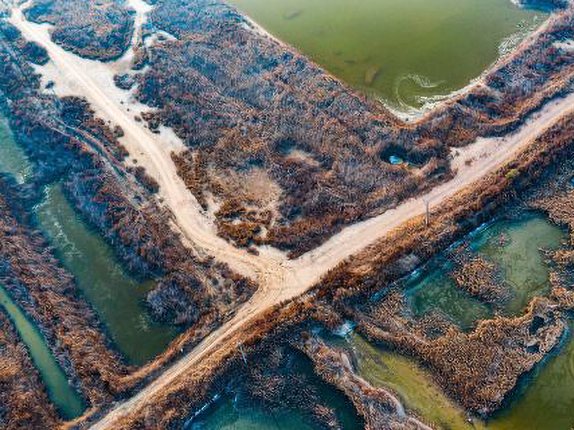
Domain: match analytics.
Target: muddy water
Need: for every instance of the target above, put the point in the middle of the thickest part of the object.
(116, 297)
(545, 402)
(404, 52)
(414, 385)
(66, 399)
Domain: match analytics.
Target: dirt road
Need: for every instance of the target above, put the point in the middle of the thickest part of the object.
(278, 278)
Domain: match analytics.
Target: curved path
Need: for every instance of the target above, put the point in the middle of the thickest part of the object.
(279, 279)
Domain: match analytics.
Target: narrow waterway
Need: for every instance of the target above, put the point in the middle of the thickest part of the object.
(12, 157)
(117, 298)
(64, 396)
(438, 292)
(404, 52)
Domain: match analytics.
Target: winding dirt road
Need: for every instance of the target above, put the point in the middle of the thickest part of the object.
(278, 278)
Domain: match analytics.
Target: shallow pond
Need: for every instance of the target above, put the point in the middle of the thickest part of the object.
(545, 402)
(66, 399)
(515, 247)
(437, 292)
(404, 52)
(229, 414)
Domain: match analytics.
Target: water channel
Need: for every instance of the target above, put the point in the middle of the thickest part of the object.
(116, 297)
(66, 399)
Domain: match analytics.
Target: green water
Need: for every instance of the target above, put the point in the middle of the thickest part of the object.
(437, 291)
(66, 399)
(547, 402)
(405, 52)
(515, 248)
(225, 416)
(116, 297)
(414, 385)
(12, 157)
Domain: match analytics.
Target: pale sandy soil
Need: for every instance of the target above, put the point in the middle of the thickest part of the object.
(279, 278)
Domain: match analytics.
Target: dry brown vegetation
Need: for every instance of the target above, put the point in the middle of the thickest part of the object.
(275, 379)
(23, 400)
(479, 368)
(479, 278)
(370, 271)
(378, 407)
(324, 148)
(93, 29)
(243, 103)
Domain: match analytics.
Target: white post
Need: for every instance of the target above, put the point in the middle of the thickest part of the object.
(242, 353)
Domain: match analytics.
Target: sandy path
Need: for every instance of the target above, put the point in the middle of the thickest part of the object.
(279, 279)
(94, 80)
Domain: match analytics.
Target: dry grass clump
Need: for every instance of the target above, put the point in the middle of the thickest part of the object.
(192, 169)
(479, 278)
(560, 207)
(275, 380)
